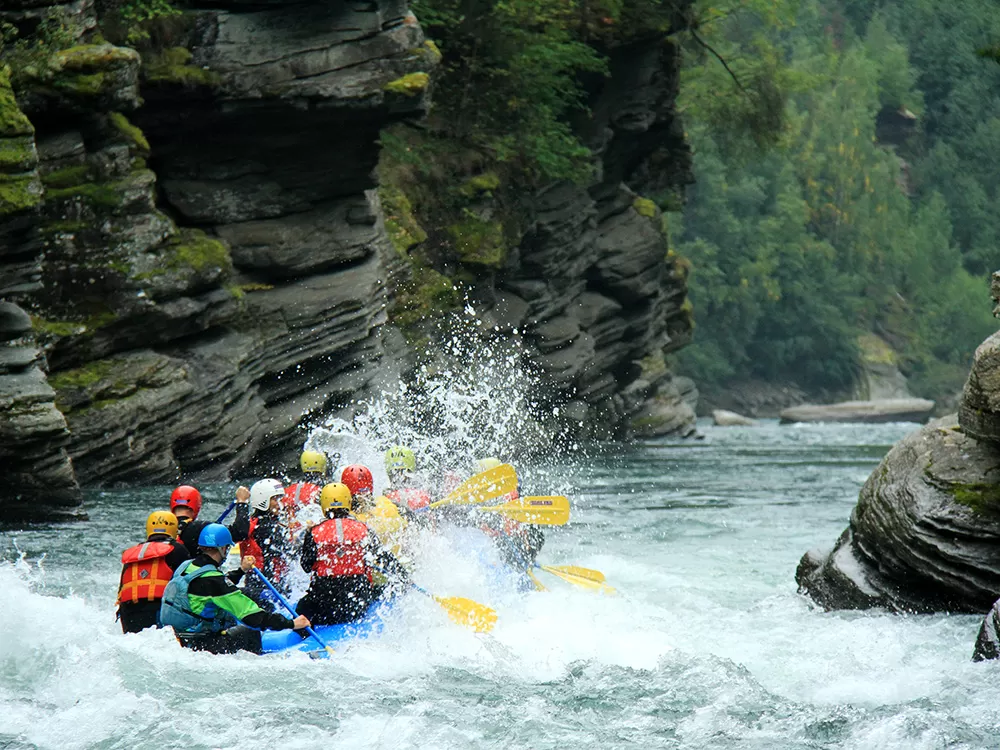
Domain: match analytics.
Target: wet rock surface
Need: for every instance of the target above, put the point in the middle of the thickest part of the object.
(925, 533)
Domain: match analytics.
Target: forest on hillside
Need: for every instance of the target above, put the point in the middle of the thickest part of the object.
(872, 209)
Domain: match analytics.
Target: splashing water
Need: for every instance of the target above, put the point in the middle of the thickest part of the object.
(472, 398)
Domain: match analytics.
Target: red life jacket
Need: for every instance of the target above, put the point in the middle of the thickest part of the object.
(249, 546)
(339, 548)
(299, 494)
(146, 572)
(414, 499)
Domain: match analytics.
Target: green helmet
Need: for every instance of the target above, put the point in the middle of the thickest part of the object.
(400, 458)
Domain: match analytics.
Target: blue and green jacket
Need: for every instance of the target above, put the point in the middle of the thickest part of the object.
(215, 603)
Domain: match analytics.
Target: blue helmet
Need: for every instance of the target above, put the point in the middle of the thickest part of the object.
(215, 535)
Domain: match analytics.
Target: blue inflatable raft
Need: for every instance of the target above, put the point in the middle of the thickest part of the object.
(275, 641)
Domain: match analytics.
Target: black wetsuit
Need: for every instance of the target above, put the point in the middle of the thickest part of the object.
(276, 549)
(137, 616)
(239, 528)
(332, 600)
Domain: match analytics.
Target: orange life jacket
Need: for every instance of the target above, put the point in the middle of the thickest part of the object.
(414, 499)
(146, 572)
(339, 548)
(299, 494)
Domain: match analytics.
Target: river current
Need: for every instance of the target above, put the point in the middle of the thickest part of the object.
(707, 644)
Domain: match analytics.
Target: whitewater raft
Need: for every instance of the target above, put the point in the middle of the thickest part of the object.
(277, 641)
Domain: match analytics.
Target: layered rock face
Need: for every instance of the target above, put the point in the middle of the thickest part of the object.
(591, 285)
(925, 534)
(194, 314)
(191, 273)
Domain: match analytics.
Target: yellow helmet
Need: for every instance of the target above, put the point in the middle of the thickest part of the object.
(485, 464)
(161, 522)
(313, 461)
(400, 458)
(334, 496)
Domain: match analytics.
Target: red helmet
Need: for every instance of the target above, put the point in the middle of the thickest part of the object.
(188, 496)
(357, 478)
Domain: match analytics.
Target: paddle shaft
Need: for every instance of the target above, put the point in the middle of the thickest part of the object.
(226, 512)
(288, 605)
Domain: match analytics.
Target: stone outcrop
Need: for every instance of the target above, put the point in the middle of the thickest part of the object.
(205, 272)
(925, 533)
(196, 260)
(885, 410)
(591, 286)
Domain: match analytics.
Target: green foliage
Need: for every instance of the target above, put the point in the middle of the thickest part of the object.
(799, 251)
(130, 21)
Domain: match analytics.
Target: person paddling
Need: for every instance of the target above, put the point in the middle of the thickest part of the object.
(380, 514)
(401, 468)
(300, 497)
(341, 554)
(268, 542)
(207, 611)
(146, 570)
(185, 503)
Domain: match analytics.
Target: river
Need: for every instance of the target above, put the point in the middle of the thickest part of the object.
(707, 645)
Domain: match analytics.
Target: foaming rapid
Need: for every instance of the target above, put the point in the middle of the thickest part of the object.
(473, 397)
(707, 645)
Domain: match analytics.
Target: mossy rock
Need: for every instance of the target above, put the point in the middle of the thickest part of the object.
(67, 177)
(94, 58)
(982, 498)
(13, 121)
(17, 154)
(99, 195)
(132, 133)
(644, 207)
(430, 51)
(427, 296)
(19, 192)
(400, 223)
(173, 66)
(410, 85)
(479, 241)
(192, 248)
(875, 351)
(82, 377)
(480, 185)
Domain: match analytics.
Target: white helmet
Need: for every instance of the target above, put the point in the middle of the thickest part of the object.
(262, 492)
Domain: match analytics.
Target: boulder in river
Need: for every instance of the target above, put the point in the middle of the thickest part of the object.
(925, 533)
(988, 641)
(883, 410)
(723, 418)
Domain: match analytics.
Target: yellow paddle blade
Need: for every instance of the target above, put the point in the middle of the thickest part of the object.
(552, 510)
(583, 583)
(466, 612)
(576, 570)
(486, 485)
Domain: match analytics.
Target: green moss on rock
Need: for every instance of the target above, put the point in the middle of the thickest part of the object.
(98, 194)
(980, 497)
(13, 121)
(400, 223)
(478, 241)
(411, 85)
(19, 192)
(131, 132)
(428, 295)
(90, 58)
(66, 177)
(481, 184)
(644, 207)
(82, 377)
(17, 154)
(192, 248)
(173, 66)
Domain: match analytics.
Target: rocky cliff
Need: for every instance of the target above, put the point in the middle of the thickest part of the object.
(196, 260)
(925, 534)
